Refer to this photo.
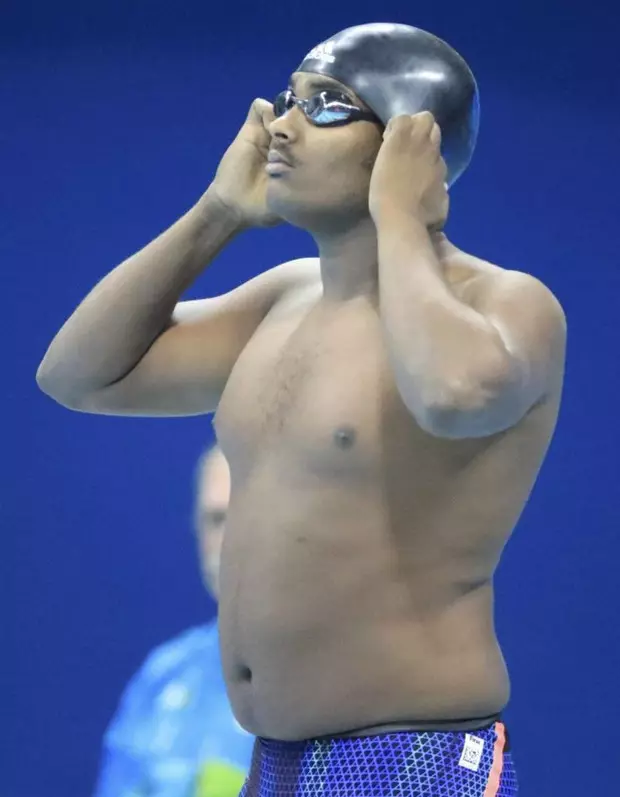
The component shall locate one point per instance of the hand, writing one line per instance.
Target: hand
(240, 182)
(409, 174)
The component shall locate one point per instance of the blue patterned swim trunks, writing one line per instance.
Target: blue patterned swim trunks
(405, 763)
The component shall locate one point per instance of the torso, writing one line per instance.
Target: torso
(356, 583)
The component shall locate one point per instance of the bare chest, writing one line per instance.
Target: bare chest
(314, 379)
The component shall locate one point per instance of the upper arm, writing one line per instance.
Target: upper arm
(529, 331)
(532, 327)
(186, 368)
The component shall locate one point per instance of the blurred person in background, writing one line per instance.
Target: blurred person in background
(174, 734)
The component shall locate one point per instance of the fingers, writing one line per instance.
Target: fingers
(419, 127)
(424, 122)
(261, 113)
(398, 124)
(440, 205)
(443, 172)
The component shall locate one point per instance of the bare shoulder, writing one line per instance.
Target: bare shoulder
(298, 281)
(257, 295)
(287, 278)
(300, 273)
(491, 288)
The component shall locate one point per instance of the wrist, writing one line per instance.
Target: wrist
(211, 208)
(206, 228)
(390, 217)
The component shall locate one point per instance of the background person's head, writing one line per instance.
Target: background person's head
(212, 496)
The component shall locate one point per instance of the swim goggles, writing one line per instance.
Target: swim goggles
(326, 108)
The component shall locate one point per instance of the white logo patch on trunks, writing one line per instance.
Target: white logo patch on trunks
(472, 752)
(323, 52)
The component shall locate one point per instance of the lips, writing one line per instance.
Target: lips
(275, 156)
(277, 163)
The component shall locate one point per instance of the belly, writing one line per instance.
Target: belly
(334, 616)
(356, 570)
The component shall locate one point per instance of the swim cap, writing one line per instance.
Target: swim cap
(396, 69)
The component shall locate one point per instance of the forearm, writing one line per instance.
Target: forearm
(117, 322)
(445, 355)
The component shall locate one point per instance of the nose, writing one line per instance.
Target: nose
(285, 128)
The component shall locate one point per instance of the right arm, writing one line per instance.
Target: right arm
(131, 348)
(131, 312)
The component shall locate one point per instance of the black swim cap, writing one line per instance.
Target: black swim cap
(396, 69)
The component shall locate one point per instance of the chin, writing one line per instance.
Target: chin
(297, 214)
(313, 216)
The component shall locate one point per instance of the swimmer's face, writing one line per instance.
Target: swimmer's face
(330, 167)
(212, 501)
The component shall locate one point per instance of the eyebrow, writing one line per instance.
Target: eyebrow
(320, 83)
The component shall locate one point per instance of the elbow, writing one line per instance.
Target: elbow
(468, 406)
(56, 388)
(452, 421)
(45, 383)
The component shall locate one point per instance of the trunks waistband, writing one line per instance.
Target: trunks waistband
(420, 726)
(415, 726)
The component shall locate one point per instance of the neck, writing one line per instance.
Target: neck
(350, 263)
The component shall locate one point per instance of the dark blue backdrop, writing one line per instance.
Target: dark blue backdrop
(112, 120)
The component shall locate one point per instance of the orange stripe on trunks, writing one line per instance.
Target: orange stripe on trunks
(495, 775)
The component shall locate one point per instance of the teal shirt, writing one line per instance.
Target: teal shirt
(174, 734)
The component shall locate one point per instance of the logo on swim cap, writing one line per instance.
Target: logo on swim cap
(322, 52)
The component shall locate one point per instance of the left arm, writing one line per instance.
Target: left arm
(463, 370)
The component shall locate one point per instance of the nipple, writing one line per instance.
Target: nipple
(344, 437)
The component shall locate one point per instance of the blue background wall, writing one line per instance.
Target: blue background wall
(112, 120)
